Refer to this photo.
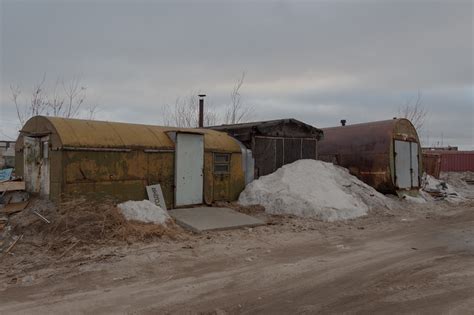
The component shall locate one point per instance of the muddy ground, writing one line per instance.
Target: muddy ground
(415, 259)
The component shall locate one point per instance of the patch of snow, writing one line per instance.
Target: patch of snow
(144, 211)
(440, 190)
(420, 199)
(311, 188)
(459, 182)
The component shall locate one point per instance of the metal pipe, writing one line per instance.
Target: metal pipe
(201, 110)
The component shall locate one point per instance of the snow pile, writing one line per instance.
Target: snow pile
(310, 188)
(460, 182)
(440, 190)
(143, 211)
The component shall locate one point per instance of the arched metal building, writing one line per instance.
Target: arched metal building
(384, 154)
(60, 157)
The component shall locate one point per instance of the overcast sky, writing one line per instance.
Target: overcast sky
(317, 61)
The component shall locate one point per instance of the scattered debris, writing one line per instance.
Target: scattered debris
(12, 185)
(462, 182)
(144, 211)
(14, 243)
(439, 189)
(6, 174)
(155, 195)
(14, 207)
(311, 188)
(40, 216)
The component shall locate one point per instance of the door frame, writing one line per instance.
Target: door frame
(43, 171)
(176, 165)
(411, 164)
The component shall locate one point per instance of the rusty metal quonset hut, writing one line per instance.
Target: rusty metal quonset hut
(60, 157)
(275, 143)
(384, 154)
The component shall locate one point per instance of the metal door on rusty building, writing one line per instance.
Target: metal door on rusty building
(271, 153)
(406, 164)
(36, 165)
(189, 165)
(415, 174)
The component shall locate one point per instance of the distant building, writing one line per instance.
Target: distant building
(7, 154)
(275, 143)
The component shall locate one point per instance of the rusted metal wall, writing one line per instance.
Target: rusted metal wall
(367, 149)
(124, 175)
(105, 167)
(432, 164)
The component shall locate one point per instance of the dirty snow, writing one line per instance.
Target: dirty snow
(310, 188)
(420, 199)
(440, 190)
(144, 211)
(460, 182)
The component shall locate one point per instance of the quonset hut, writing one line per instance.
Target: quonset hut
(384, 154)
(60, 157)
(275, 143)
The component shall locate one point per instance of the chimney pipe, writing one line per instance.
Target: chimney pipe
(201, 110)
(343, 122)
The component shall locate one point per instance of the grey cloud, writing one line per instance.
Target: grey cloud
(135, 57)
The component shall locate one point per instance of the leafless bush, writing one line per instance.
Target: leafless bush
(237, 112)
(65, 99)
(185, 113)
(185, 110)
(415, 111)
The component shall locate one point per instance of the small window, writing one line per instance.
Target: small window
(221, 163)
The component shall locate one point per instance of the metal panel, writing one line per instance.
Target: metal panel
(279, 153)
(36, 165)
(292, 150)
(415, 181)
(75, 133)
(189, 169)
(402, 164)
(431, 164)
(368, 148)
(457, 161)
(265, 158)
(309, 149)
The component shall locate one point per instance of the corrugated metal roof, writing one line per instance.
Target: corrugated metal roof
(268, 124)
(104, 134)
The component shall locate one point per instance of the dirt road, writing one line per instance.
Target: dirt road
(393, 264)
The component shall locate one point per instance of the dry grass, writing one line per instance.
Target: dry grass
(80, 223)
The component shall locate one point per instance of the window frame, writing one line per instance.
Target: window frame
(219, 162)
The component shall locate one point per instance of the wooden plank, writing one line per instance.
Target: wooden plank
(12, 185)
(14, 207)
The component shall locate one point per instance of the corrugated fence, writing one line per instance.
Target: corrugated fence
(435, 162)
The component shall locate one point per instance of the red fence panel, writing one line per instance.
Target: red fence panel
(460, 161)
(449, 161)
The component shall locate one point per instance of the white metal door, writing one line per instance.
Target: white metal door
(414, 165)
(402, 164)
(36, 165)
(189, 164)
